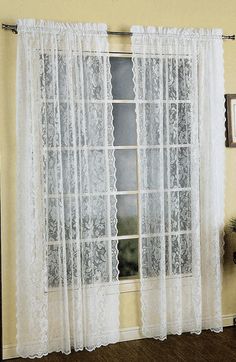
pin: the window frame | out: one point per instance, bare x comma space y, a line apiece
128, 280
129, 284
132, 283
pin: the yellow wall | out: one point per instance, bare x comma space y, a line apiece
119, 15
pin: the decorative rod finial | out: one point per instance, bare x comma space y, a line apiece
229, 37
13, 28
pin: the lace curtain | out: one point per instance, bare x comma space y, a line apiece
67, 275
67, 266
179, 96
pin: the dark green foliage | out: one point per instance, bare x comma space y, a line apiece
128, 257
232, 225
127, 225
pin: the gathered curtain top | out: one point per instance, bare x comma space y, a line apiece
41, 26
200, 33
32, 25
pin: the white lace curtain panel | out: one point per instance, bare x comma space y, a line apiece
179, 89
67, 275
67, 254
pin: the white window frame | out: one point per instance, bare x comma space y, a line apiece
132, 284
129, 284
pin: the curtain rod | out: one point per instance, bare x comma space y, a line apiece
13, 28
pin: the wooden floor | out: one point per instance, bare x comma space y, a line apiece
208, 346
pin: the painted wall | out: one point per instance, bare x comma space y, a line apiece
119, 15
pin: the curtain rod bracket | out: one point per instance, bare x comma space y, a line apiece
13, 28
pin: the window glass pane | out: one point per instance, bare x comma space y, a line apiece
122, 78
184, 78
127, 215
126, 170
124, 124
179, 167
184, 123
69, 254
152, 249
148, 80
128, 257
151, 218
150, 159
181, 251
179, 119
172, 78
150, 120
180, 208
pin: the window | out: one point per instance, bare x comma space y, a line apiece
125, 141
177, 184
78, 180
176, 109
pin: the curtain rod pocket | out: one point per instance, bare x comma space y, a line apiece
13, 28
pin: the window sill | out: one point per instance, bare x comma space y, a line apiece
133, 285
129, 285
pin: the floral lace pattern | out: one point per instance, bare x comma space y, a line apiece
67, 255
67, 224
175, 133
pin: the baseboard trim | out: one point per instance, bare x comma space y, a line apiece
9, 351
130, 334
126, 334
228, 320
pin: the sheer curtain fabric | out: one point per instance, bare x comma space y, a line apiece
179, 92
67, 275
67, 265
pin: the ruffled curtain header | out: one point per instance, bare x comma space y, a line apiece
85, 37
32, 25
178, 32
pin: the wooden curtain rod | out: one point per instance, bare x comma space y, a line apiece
13, 28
